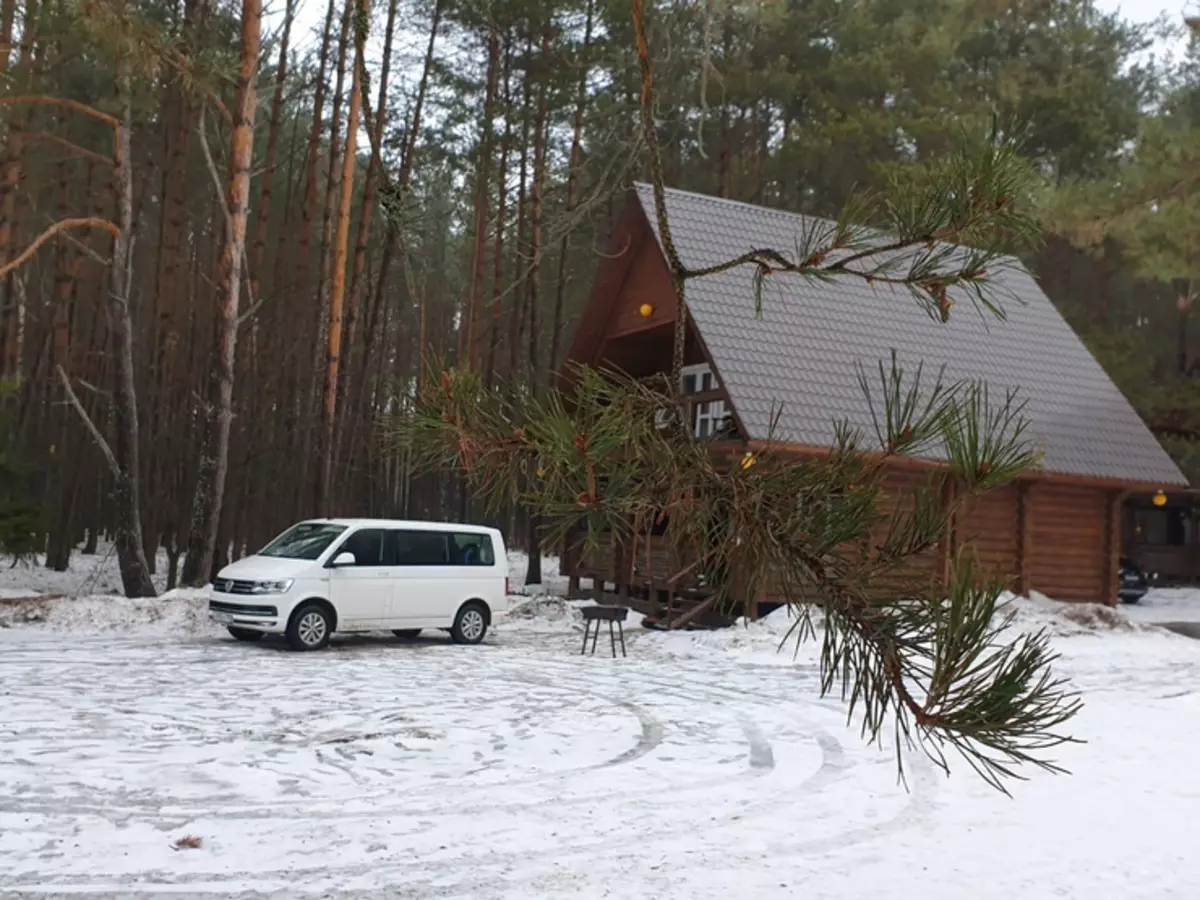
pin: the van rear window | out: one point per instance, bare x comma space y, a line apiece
472, 550
442, 548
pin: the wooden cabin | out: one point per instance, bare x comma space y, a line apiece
1057, 531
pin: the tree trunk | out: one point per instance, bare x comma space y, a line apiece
535, 228
406, 167
358, 23
501, 220
576, 160
214, 457
516, 326
313, 153
347, 382
726, 150
263, 212
533, 574
1184, 303
320, 346
7, 12
12, 305
135, 576
469, 351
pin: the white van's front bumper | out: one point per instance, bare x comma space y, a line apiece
263, 613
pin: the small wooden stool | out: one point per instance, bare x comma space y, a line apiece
594, 615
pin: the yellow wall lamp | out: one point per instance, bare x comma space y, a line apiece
646, 310
1159, 499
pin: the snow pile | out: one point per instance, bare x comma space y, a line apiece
1037, 612
545, 613
181, 612
775, 634
778, 633
545, 609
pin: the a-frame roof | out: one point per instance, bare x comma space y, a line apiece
800, 354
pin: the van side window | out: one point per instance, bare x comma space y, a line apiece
367, 547
472, 550
420, 548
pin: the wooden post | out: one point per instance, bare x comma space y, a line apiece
1112, 533
1024, 537
750, 607
570, 564
949, 492
740, 589
621, 569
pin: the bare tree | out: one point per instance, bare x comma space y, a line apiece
214, 459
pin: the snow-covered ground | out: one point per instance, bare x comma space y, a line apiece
1166, 605
703, 765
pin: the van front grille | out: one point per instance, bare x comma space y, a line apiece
230, 586
242, 609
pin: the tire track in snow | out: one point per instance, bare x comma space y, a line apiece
488, 868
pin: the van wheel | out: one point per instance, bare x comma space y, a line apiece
471, 624
407, 634
246, 634
310, 627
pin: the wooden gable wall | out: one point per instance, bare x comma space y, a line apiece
633, 273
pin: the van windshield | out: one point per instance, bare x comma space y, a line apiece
308, 540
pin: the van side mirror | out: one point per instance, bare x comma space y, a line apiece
345, 558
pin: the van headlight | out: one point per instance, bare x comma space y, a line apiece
272, 587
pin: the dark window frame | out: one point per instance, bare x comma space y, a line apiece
486, 547
451, 545
342, 548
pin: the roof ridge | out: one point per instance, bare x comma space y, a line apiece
726, 201
801, 219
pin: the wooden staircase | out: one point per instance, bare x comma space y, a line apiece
693, 609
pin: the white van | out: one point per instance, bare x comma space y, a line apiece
328, 575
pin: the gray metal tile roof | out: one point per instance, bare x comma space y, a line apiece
801, 353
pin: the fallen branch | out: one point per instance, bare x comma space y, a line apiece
91, 155
89, 424
693, 613
62, 225
75, 105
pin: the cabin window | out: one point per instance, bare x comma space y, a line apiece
711, 418
1163, 527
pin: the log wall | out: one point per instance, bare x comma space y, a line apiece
1059, 539
900, 486
991, 526
1069, 542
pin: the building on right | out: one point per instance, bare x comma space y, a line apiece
782, 375
1161, 535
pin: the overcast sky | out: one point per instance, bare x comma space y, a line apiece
1146, 10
